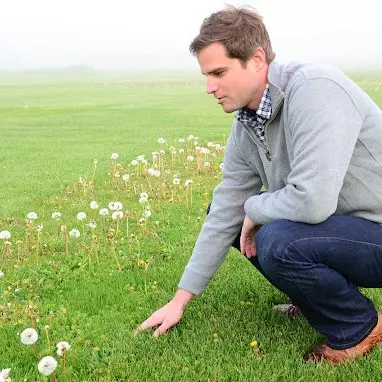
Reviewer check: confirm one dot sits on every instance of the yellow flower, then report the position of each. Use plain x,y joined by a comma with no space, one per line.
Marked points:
254,344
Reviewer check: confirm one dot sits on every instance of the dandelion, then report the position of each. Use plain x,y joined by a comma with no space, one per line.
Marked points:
141,158
64,228
147,213
115,206
32,216
29,336
141,220
151,171
188,182
56,215
5,235
117,174
1,275
4,375
39,228
92,224
134,162
114,156
190,158
62,347
142,200
47,365
162,152
144,195
181,140
190,137
117,215
104,212
181,151
254,344
95,161
74,233
81,216
161,141
156,173
94,205
176,181
125,177
207,164
221,166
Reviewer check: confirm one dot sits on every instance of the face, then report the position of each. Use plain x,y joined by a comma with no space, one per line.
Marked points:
233,85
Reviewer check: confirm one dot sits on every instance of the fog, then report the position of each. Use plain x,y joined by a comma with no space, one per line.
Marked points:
124,34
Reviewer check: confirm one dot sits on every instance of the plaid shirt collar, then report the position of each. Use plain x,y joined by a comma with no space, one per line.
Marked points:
261,115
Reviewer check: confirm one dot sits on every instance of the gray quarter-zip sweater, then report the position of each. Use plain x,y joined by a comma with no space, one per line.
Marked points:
322,156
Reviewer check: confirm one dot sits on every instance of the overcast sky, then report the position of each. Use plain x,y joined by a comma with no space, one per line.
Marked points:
156,33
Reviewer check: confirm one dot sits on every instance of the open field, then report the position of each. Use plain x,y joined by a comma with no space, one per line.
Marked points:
93,291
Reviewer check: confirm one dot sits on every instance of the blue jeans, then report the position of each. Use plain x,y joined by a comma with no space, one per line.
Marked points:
320,268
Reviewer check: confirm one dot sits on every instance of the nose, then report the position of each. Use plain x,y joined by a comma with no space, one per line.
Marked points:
211,86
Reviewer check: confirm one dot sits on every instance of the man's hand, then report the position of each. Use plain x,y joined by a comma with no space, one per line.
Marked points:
169,315
247,237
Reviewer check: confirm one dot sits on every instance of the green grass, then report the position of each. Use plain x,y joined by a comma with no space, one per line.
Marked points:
51,131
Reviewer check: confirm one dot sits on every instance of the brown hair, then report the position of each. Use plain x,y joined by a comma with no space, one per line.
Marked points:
240,30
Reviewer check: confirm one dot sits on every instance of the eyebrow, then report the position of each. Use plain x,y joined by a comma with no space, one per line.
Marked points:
214,71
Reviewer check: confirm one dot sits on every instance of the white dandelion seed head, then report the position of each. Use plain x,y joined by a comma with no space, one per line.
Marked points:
204,150
93,205
168,171
190,137
47,365
1,274
117,174
188,182
64,228
61,347
150,171
181,140
95,161
5,235
176,181
210,144
32,216
134,162
4,375
114,156
56,215
125,177
115,206
196,138
190,158
144,195
162,152
104,212
144,162
141,158
81,216
39,228
141,220
117,215
157,173
207,164
92,224
75,233
161,141
142,200
147,213
29,336
181,151
221,166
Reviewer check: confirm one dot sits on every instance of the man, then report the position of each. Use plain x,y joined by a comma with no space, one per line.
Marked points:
313,139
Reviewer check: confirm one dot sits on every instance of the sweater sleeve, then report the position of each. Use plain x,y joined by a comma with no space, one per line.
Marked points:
323,123
224,221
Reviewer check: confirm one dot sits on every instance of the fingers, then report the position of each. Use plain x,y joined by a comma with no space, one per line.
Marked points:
153,320
248,246
164,327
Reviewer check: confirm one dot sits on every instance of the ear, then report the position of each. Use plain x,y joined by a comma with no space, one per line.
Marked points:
259,60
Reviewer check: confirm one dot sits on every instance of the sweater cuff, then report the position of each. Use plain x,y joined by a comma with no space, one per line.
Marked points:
193,282
253,212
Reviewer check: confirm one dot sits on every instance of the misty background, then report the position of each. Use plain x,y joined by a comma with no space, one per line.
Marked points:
130,34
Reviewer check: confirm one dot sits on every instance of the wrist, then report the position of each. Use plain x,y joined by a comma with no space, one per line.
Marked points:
182,297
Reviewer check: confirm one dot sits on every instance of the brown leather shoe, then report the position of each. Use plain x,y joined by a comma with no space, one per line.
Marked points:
324,352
